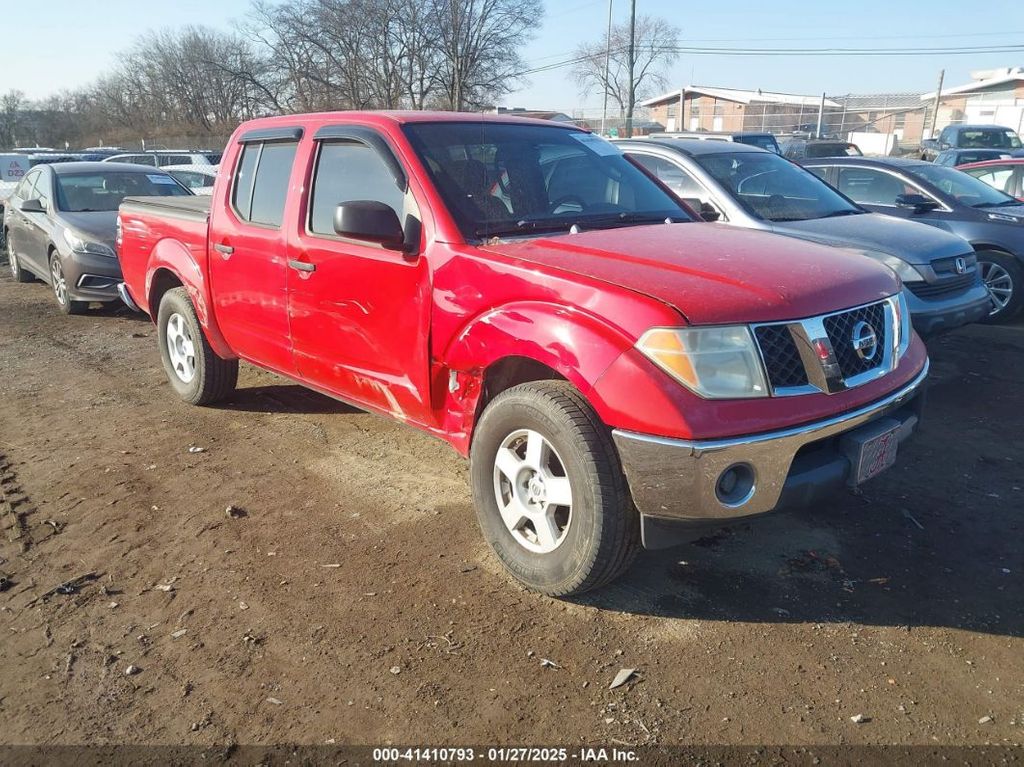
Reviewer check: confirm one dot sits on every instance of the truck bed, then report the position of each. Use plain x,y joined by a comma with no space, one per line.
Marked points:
195,207
154,229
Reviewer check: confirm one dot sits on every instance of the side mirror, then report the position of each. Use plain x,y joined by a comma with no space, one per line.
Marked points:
916,202
370,220
32,206
709,213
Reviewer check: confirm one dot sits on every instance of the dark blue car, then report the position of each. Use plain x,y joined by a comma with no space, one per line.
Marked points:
991,220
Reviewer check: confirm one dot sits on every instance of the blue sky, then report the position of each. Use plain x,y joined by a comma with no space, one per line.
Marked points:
81,42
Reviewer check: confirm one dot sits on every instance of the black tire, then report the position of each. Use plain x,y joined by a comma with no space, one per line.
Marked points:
213,377
18,274
602,536
1012,271
60,289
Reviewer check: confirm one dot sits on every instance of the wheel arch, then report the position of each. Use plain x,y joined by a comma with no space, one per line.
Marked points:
172,265
514,344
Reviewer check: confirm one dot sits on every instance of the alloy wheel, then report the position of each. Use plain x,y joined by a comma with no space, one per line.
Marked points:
12,258
532,490
60,284
999,284
181,348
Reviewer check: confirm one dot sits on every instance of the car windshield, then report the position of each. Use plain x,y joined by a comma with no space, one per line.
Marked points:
505,179
103,190
964,188
773,188
989,139
762,142
833,150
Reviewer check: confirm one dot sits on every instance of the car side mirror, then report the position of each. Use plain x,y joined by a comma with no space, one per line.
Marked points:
916,202
32,206
372,221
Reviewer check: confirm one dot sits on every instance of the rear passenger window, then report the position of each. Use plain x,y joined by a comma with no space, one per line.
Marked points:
261,183
347,171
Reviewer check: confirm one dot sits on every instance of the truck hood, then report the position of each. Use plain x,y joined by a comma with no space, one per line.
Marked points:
714,274
911,241
99,226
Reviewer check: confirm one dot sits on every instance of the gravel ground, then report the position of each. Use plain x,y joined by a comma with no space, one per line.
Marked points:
351,597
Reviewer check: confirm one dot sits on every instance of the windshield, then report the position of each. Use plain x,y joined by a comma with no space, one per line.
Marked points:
773,188
762,142
833,150
104,190
989,139
966,189
503,178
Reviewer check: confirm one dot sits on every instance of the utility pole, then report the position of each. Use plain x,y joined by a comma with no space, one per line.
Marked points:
821,113
631,101
607,69
935,108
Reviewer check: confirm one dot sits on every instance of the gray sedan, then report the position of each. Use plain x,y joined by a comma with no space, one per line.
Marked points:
748,187
949,200
59,226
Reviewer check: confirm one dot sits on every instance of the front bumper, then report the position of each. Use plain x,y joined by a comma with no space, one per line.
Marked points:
91,277
931,316
673,479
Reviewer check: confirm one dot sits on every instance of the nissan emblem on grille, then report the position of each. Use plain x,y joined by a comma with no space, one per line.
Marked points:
864,340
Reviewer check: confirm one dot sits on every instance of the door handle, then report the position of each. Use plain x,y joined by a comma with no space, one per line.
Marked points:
224,250
301,266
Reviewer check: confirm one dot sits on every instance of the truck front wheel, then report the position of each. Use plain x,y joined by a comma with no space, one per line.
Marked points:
549,490
196,372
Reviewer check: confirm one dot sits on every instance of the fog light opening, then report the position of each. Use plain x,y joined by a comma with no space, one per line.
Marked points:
735,485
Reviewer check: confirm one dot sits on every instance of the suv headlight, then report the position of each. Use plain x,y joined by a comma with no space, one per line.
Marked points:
713,362
80,245
903,270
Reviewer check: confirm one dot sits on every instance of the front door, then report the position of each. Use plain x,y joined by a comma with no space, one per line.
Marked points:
360,313
877,191
247,254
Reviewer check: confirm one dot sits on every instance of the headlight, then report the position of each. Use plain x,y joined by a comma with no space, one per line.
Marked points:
903,270
79,245
714,362
903,328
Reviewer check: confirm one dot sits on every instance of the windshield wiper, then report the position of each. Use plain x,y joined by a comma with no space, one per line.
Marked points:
997,204
617,219
844,212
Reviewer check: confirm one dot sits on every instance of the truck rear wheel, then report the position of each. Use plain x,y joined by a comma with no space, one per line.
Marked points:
549,490
196,372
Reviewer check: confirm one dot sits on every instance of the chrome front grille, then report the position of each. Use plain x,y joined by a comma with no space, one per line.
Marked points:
829,353
781,357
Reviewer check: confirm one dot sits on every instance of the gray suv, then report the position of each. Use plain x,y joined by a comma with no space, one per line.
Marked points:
744,186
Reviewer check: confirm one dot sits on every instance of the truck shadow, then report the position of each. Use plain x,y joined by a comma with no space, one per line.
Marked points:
286,398
936,541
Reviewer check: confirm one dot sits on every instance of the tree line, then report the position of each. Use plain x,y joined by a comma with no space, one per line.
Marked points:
290,56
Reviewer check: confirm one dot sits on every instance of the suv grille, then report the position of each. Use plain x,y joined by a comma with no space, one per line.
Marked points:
781,359
840,328
944,287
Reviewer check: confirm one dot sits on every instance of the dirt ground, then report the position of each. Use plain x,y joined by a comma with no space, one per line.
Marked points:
356,601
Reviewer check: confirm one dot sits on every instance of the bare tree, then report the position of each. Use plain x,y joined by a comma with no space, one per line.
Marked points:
479,42
656,50
11,105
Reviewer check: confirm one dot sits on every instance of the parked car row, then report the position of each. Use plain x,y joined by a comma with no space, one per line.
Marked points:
629,341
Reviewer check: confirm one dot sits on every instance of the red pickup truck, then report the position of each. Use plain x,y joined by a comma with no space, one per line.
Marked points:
615,371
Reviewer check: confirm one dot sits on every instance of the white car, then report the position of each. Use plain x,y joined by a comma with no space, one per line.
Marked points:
198,178
161,158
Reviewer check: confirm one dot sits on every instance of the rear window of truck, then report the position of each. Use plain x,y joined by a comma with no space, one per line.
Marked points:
261,182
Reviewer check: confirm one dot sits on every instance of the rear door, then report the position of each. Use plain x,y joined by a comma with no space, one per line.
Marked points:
247,248
360,312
